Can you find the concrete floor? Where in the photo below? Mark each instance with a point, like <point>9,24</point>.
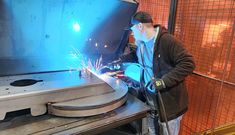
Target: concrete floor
<point>122,130</point>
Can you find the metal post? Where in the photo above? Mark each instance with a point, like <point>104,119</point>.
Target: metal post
<point>172,16</point>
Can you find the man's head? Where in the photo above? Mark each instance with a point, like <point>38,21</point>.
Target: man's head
<point>142,26</point>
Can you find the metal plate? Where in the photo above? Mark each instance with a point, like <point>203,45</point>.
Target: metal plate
<point>93,105</point>
<point>56,87</point>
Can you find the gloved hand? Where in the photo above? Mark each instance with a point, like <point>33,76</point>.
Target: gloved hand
<point>155,85</point>
<point>115,65</point>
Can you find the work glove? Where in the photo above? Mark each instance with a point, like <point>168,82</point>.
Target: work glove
<point>115,65</point>
<point>155,85</point>
<point>112,66</point>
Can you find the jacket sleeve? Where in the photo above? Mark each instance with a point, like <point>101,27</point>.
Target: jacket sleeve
<point>130,57</point>
<point>183,63</point>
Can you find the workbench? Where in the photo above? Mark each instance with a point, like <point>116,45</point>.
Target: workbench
<point>132,110</point>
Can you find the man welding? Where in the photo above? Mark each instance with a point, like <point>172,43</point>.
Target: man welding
<point>165,64</point>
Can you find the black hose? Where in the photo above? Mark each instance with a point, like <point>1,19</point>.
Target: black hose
<point>160,99</point>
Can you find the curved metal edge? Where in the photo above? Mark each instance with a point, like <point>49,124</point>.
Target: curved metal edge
<point>89,112</point>
<point>87,107</point>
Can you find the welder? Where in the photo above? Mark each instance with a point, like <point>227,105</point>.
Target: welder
<point>165,64</point>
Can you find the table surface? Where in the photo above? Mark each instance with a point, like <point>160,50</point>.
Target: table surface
<point>132,110</point>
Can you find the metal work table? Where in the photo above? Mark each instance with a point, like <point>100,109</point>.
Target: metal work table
<point>132,110</point>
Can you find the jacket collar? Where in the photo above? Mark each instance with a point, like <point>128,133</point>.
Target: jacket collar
<point>162,31</point>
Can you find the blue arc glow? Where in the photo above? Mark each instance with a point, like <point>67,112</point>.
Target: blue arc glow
<point>76,27</point>
<point>46,31</point>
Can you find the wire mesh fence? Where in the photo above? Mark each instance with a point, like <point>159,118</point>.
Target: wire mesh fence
<point>207,29</point>
<point>159,9</point>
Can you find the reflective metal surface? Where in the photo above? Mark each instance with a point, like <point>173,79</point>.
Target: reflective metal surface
<point>58,87</point>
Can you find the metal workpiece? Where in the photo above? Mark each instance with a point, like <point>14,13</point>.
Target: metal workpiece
<point>115,96</point>
<point>133,110</point>
<point>60,89</point>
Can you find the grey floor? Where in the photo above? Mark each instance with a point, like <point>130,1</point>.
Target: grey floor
<point>122,130</point>
<point>119,131</point>
<point>116,132</point>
